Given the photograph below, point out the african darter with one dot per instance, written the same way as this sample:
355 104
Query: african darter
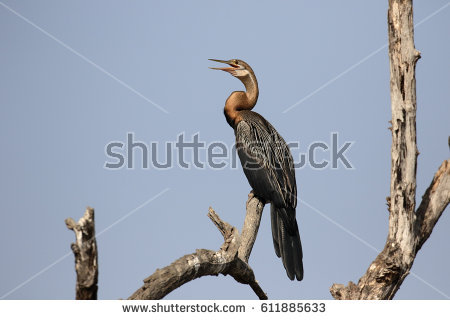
267 164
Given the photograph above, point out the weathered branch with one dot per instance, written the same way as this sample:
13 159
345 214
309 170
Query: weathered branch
85 251
433 204
230 259
251 226
408 229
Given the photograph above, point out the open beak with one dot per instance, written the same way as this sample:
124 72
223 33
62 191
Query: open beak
227 69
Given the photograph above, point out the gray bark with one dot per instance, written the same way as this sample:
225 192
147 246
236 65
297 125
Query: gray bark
85 251
408 228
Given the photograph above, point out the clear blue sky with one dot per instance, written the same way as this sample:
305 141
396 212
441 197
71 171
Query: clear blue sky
76 75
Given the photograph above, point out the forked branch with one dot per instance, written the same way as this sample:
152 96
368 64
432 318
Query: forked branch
408 228
387 272
231 259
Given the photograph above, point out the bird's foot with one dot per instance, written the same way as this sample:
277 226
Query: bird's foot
252 195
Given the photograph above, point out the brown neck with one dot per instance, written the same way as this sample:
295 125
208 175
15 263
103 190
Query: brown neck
239 100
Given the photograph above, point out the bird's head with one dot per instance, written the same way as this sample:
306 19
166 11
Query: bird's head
237 68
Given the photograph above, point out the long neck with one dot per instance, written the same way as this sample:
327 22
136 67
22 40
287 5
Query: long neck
240 100
252 91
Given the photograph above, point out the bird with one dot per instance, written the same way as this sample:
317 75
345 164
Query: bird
267 163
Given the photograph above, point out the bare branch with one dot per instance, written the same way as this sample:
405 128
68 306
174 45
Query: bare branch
85 251
384 276
203 262
251 226
434 202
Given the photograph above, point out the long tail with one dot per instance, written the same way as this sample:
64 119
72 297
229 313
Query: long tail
286 240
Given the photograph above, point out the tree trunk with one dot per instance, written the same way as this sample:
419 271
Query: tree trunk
85 251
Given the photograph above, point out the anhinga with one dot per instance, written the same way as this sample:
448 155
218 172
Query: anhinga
267 164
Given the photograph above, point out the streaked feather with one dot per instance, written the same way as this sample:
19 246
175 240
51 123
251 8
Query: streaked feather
269 168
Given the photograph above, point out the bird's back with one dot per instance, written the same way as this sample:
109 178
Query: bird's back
266 160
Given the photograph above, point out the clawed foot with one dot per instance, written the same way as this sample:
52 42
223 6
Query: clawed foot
252 195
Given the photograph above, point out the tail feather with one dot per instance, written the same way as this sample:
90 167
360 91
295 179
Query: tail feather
275 232
286 241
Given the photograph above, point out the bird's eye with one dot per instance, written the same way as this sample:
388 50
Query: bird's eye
235 62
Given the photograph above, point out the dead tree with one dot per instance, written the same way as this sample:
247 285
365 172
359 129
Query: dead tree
85 251
408 228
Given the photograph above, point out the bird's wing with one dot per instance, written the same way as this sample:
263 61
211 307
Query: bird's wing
260 144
